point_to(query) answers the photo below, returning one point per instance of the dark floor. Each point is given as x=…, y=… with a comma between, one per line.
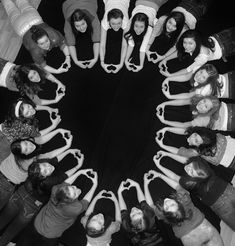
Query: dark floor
x=112, y=116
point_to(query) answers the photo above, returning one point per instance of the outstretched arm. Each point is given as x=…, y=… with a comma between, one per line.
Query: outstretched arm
x=140, y=194
x=121, y=200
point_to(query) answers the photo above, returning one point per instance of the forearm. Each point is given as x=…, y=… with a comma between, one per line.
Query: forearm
x=170, y=51
x=117, y=211
x=177, y=123
x=53, y=79
x=88, y=197
x=175, y=130
x=171, y=56
x=71, y=173
x=103, y=44
x=123, y=51
x=169, y=148
x=47, y=130
x=142, y=58
x=121, y=200
x=172, y=183
x=66, y=50
x=73, y=53
x=182, y=72
x=96, y=50
x=62, y=155
x=178, y=102
x=45, y=138
x=178, y=158
x=168, y=173
x=43, y=107
x=140, y=194
x=180, y=96
x=51, y=69
x=128, y=52
x=54, y=153
x=148, y=196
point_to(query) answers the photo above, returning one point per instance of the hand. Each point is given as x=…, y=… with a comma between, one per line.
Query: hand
x=162, y=65
x=81, y=64
x=117, y=68
x=79, y=156
x=165, y=73
x=160, y=136
x=63, y=68
x=157, y=158
x=55, y=121
x=148, y=177
x=67, y=62
x=160, y=112
x=132, y=183
x=91, y=63
x=154, y=174
x=65, y=133
x=53, y=111
x=59, y=96
x=105, y=67
x=165, y=88
x=61, y=88
x=101, y=194
x=128, y=65
x=137, y=68
x=149, y=55
x=123, y=186
x=92, y=175
x=159, y=58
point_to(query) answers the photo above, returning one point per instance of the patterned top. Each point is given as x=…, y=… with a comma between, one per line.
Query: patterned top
x=18, y=129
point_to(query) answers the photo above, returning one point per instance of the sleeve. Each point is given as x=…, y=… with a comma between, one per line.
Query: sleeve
x=60, y=40
x=96, y=30
x=104, y=22
x=184, y=195
x=38, y=57
x=147, y=209
x=158, y=27
x=124, y=216
x=201, y=121
x=70, y=39
x=49, y=182
x=54, y=161
x=114, y=227
x=145, y=41
x=84, y=220
x=85, y=204
x=187, y=152
x=200, y=60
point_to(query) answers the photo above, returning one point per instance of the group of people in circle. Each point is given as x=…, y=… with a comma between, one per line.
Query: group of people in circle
x=34, y=190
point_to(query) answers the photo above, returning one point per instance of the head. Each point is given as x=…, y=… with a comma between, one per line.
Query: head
x=137, y=220
x=97, y=224
x=202, y=139
x=40, y=37
x=24, y=148
x=40, y=170
x=189, y=43
x=80, y=22
x=24, y=109
x=115, y=18
x=28, y=79
x=197, y=172
x=172, y=210
x=207, y=105
x=140, y=24
x=65, y=194
x=174, y=23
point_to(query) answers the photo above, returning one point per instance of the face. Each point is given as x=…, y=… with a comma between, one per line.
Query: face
x=189, y=45
x=170, y=205
x=28, y=110
x=136, y=216
x=73, y=192
x=115, y=24
x=34, y=76
x=204, y=105
x=201, y=76
x=46, y=169
x=97, y=222
x=195, y=139
x=189, y=169
x=80, y=26
x=171, y=25
x=27, y=147
x=44, y=43
x=139, y=27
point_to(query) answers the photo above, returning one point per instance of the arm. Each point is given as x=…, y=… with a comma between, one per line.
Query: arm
x=128, y=54
x=96, y=51
x=121, y=200
x=91, y=207
x=172, y=183
x=140, y=194
x=103, y=44
x=54, y=70
x=53, y=79
x=58, y=151
x=73, y=54
x=178, y=158
x=147, y=194
x=165, y=170
x=91, y=192
x=179, y=96
x=54, y=124
x=67, y=56
x=181, y=72
x=117, y=208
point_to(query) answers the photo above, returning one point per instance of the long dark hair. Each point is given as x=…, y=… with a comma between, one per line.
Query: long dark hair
x=141, y=17
x=11, y=117
x=212, y=79
x=174, y=218
x=199, y=40
x=180, y=21
x=209, y=137
x=16, y=149
x=23, y=84
x=37, y=33
x=79, y=15
x=203, y=170
x=91, y=232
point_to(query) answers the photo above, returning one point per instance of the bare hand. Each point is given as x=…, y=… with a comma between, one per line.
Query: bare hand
x=117, y=68
x=91, y=63
x=105, y=67
x=55, y=121
x=137, y=68
x=59, y=96
x=124, y=186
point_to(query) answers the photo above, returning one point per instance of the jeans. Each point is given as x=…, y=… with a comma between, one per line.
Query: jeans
x=226, y=40
x=6, y=190
x=224, y=207
x=18, y=212
x=22, y=15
